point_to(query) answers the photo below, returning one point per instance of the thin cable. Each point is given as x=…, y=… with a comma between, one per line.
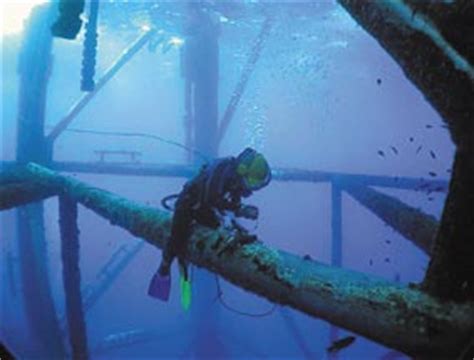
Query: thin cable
x=142, y=135
x=236, y=311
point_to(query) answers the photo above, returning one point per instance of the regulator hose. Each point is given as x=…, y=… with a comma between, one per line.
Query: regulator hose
x=164, y=201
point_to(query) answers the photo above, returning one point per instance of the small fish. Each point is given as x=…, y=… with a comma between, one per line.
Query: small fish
x=307, y=257
x=341, y=344
x=432, y=153
x=371, y=262
x=387, y=260
x=432, y=173
x=429, y=126
x=381, y=153
x=419, y=149
x=430, y=198
x=379, y=81
x=411, y=139
x=388, y=242
x=394, y=149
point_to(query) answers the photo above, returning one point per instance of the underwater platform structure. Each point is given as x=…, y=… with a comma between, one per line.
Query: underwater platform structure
x=434, y=318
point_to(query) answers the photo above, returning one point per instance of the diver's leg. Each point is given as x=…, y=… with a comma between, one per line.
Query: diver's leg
x=166, y=261
x=184, y=229
x=160, y=284
x=180, y=232
x=183, y=268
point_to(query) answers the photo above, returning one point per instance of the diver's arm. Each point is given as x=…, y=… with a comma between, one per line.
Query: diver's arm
x=229, y=202
x=234, y=204
x=247, y=212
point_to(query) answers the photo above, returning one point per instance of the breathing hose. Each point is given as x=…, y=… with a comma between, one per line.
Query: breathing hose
x=164, y=201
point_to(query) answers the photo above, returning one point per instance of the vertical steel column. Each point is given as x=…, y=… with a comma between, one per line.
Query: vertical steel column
x=336, y=251
x=34, y=69
x=188, y=119
x=34, y=66
x=72, y=277
x=10, y=296
x=336, y=224
x=90, y=49
x=38, y=301
x=200, y=65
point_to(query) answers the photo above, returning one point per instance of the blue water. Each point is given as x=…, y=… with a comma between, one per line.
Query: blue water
x=323, y=96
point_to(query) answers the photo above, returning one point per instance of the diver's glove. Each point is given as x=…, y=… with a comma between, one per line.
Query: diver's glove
x=247, y=212
x=239, y=237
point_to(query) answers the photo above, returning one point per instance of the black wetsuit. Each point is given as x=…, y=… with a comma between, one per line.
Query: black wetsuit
x=217, y=188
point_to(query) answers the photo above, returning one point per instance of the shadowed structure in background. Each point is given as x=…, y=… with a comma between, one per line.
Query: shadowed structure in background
x=34, y=71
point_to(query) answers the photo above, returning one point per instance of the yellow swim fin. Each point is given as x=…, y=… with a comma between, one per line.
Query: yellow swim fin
x=185, y=286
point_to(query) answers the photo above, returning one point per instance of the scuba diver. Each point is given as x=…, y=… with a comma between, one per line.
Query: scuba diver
x=204, y=200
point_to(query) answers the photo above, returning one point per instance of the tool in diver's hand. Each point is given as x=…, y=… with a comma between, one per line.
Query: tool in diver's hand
x=248, y=212
x=160, y=286
x=240, y=236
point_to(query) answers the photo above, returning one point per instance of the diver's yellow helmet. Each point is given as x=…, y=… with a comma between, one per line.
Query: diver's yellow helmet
x=254, y=169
